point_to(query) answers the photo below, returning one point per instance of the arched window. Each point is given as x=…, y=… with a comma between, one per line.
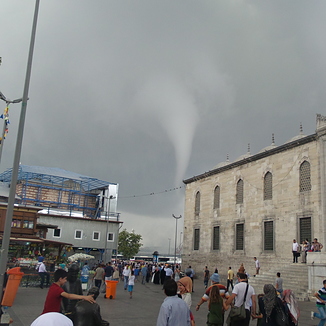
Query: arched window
x=305, y=180
x=217, y=197
x=268, y=186
x=197, y=204
x=239, y=195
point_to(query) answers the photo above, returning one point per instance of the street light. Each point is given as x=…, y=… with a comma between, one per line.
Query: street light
x=15, y=167
x=107, y=229
x=169, y=246
x=175, y=239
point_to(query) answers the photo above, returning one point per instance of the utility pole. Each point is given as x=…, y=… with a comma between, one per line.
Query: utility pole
x=15, y=168
x=175, y=239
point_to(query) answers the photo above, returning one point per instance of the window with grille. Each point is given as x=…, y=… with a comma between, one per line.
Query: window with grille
x=216, y=238
x=239, y=237
x=305, y=181
x=96, y=235
x=197, y=204
x=110, y=236
x=268, y=186
x=305, y=229
x=217, y=197
x=196, y=239
x=269, y=235
x=239, y=195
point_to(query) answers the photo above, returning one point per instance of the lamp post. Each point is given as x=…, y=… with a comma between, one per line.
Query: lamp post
x=169, y=246
x=5, y=117
x=107, y=228
x=175, y=239
x=180, y=245
x=15, y=168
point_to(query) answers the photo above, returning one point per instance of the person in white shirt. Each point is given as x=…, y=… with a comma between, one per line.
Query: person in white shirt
x=238, y=295
x=126, y=273
x=43, y=274
x=131, y=283
x=295, y=250
x=168, y=272
x=257, y=265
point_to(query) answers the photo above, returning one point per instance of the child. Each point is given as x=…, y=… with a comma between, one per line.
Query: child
x=56, y=292
x=131, y=283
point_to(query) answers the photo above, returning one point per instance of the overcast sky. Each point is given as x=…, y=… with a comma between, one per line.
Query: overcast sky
x=148, y=93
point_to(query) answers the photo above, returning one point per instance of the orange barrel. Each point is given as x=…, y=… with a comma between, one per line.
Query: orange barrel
x=111, y=289
x=14, y=278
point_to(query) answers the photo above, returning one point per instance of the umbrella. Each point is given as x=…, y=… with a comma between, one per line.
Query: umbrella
x=80, y=256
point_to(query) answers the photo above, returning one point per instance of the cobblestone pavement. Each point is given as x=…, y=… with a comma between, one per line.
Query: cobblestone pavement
x=141, y=310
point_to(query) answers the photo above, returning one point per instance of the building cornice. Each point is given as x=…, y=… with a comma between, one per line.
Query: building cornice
x=256, y=157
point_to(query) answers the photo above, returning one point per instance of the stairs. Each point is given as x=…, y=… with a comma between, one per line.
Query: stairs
x=295, y=277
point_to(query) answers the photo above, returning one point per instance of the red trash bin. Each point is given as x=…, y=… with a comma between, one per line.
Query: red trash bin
x=111, y=289
x=14, y=278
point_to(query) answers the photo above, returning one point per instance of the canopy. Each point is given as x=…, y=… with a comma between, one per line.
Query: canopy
x=80, y=256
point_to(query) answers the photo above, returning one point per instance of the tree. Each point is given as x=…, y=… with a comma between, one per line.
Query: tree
x=129, y=243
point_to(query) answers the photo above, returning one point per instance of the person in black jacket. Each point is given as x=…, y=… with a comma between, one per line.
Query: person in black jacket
x=272, y=308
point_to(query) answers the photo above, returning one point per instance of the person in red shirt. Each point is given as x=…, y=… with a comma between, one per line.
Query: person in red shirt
x=56, y=292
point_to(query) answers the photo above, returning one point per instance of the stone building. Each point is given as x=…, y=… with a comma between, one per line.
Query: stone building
x=257, y=205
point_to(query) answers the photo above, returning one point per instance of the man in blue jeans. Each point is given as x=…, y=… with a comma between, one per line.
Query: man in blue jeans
x=321, y=300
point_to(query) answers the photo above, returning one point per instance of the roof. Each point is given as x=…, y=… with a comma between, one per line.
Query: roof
x=273, y=150
x=54, y=176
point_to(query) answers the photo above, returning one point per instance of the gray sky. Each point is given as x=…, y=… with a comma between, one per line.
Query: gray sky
x=148, y=93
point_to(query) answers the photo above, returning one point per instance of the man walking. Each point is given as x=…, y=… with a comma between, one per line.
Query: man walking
x=108, y=271
x=206, y=277
x=230, y=279
x=321, y=301
x=143, y=274
x=191, y=273
x=174, y=311
x=238, y=295
x=43, y=274
x=257, y=264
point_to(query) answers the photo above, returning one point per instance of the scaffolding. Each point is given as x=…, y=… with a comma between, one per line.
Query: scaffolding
x=58, y=189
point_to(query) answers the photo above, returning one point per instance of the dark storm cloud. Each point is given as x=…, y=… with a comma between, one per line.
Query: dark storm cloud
x=146, y=93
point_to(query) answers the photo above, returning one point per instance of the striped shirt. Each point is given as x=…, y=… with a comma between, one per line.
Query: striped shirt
x=322, y=295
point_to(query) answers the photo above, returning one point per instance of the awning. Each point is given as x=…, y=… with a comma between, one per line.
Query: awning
x=38, y=240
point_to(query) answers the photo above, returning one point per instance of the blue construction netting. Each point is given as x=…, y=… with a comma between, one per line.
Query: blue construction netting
x=83, y=191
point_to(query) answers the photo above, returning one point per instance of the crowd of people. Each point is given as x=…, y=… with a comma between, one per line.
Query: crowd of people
x=275, y=306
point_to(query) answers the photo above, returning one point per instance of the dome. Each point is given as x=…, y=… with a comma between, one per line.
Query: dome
x=295, y=138
x=221, y=164
x=267, y=148
x=242, y=157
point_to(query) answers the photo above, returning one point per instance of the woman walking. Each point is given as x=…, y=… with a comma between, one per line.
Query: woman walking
x=185, y=289
x=216, y=307
x=272, y=307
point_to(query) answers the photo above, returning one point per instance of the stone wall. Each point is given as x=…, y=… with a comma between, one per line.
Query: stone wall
x=287, y=206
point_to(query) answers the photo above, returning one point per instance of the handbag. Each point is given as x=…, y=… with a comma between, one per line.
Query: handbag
x=239, y=313
x=281, y=318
